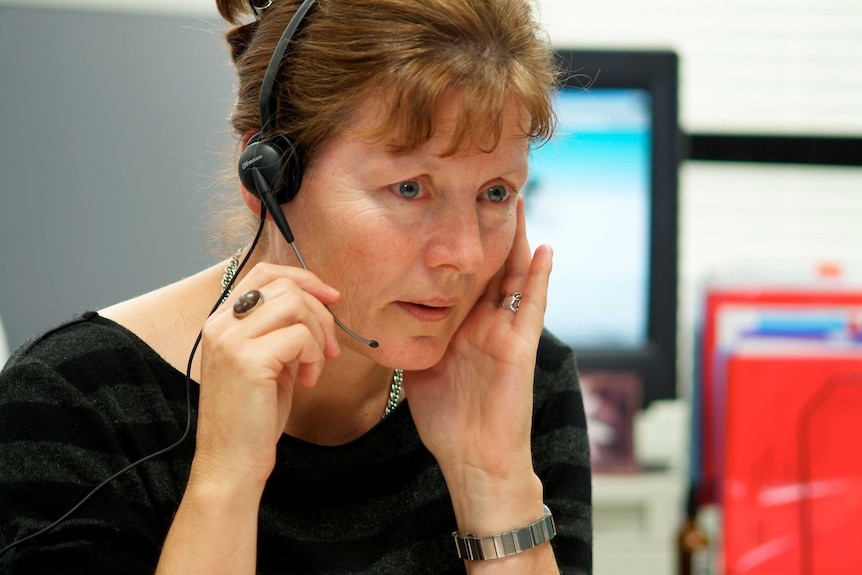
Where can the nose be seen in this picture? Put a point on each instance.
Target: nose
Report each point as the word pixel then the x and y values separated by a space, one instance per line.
pixel 455 238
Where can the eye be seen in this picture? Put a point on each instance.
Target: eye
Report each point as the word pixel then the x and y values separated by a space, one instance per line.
pixel 497 194
pixel 408 190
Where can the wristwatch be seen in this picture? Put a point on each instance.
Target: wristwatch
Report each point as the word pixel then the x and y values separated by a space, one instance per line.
pixel 509 543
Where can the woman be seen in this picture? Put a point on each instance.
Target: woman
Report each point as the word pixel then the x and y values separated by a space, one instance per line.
pixel 312 449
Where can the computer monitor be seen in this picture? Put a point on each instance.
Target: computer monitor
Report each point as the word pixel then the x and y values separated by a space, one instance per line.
pixel 603 193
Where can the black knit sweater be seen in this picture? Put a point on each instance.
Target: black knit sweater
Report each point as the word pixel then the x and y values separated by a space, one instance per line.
pixel 88 397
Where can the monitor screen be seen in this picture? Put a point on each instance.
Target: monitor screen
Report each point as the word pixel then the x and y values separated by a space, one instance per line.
pixel 603 193
pixel 589 196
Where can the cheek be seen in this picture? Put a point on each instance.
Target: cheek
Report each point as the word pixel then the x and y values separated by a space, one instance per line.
pixel 500 240
pixel 363 248
pixel 497 244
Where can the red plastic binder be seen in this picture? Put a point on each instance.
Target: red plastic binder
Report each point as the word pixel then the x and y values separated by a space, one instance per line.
pixel 711 376
pixel 792 490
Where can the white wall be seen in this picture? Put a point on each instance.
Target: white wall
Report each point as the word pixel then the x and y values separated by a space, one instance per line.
pixel 783 66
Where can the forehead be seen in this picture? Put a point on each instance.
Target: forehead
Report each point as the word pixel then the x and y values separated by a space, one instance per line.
pixel 451 126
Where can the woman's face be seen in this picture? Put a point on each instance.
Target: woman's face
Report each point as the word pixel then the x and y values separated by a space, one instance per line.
pixel 410 240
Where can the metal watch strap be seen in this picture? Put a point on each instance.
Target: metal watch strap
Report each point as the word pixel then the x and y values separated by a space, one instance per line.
pixel 509 543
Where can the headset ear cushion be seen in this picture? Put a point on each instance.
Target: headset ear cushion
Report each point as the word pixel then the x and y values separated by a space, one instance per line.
pixel 278 160
pixel 292 167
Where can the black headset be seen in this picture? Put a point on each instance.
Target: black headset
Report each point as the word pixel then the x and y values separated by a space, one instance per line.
pixel 269 155
pixel 272 162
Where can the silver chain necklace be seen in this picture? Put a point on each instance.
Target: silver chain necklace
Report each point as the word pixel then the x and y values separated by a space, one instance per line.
pixel 395 389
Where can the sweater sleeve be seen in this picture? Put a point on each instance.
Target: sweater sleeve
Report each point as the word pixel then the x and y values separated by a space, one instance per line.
pixel 70 418
pixel 561 455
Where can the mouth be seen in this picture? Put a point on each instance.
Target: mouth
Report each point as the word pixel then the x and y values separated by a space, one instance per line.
pixel 427 312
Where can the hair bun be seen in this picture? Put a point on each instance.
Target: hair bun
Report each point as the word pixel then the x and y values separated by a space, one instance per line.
pixel 239 38
pixel 233 10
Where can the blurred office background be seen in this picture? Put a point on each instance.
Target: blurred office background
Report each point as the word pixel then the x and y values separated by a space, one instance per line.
pixel 114 136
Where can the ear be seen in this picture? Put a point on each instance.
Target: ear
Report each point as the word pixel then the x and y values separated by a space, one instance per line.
pixel 251 200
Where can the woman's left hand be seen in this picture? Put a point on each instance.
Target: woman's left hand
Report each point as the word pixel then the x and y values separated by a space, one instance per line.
pixel 473 410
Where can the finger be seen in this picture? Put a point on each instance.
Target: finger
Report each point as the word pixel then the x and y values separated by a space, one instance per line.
pixel 512 275
pixel 323 322
pixel 285 350
pixel 265 273
pixel 280 306
pixel 309 373
pixel 285 303
pixel 534 298
pixel 293 305
pixel 518 262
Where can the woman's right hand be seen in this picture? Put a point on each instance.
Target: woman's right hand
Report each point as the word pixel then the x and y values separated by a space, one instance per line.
pixel 249 367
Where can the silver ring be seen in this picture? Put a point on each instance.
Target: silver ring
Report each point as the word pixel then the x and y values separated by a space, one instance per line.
pixel 246 302
pixel 511 302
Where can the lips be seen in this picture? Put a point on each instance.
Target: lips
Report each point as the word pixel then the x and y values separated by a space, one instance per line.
pixel 427 311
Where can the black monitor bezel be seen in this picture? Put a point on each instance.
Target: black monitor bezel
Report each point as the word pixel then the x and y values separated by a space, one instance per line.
pixel 657 72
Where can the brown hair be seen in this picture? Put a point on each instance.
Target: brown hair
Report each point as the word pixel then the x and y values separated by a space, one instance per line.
pixel 414 51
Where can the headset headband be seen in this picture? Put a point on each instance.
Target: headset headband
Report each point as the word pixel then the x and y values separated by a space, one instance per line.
pixel 268 99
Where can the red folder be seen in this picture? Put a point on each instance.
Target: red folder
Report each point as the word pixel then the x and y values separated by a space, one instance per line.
pixel 792 495
pixel 710 399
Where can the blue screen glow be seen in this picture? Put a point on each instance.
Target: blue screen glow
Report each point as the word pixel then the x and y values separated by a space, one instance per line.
pixel 588 196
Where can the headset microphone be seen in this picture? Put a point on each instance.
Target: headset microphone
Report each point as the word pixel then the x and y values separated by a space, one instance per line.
pixel 271 160
pixel 274 208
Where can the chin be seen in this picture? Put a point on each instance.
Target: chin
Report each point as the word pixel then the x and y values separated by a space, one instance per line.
pixel 409 353
pixel 416 354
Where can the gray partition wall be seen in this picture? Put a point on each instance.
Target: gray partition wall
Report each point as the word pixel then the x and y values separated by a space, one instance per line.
pixel 113 132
